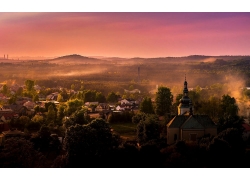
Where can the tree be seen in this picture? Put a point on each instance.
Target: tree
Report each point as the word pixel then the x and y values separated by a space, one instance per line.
pixel 22 122
pixel 12 99
pixel 124 117
pixel 19 91
pixel 60 115
pixel 211 107
pixel 78 117
pixel 100 97
pixel 112 97
pixel 35 97
pixel 73 105
pixel 64 95
pixel 146 106
pixel 72 87
pixel 5 89
pixel 228 106
pixel 163 100
pixel 51 115
pixel 138 117
pixel 38 118
pixel 148 129
pixel 48 104
pixel 79 95
pixel 44 132
pixel 60 98
pixel 131 87
pixel 87 145
pixel 43 140
pixel 230 122
pixel 90 96
pixel 29 85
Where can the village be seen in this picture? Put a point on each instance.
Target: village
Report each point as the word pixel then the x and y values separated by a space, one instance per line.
pixel 134 122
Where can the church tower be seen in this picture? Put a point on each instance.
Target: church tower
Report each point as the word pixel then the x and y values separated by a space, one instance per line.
pixel 185 105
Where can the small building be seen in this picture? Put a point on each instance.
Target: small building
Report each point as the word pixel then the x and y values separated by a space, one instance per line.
pixel 101 107
pixel 7 113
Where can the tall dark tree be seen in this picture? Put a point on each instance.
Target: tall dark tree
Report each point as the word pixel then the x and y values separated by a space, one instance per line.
pixel 229 106
pixel 163 100
pixel 146 106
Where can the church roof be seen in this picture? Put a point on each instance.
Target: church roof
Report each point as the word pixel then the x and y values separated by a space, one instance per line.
pixel 177 121
pixel 191 122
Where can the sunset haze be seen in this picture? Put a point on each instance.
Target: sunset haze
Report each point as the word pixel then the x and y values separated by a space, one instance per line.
pixel 124 34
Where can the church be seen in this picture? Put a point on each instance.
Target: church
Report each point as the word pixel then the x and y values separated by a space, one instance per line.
pixel 188 126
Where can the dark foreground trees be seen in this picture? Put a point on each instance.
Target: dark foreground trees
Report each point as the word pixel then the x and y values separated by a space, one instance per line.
pixel 88 145
pixel 20 153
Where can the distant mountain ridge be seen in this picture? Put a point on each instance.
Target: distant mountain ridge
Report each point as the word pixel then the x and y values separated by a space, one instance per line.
pixel 79 59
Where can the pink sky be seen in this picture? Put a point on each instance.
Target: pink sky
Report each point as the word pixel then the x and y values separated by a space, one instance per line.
pixel 124 34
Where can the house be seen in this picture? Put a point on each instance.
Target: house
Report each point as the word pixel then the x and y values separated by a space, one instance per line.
pixel 187 126
pixel 102 106
pixel 14 87
pixel 90 103
pixel 22 100
pixel 6 112
pixel 91 106
pixel 29 105
pixel 37 88
pixel 52 96
pixel 3 98
pixel 41 97
pixel 120 108
pixel 18 109
pixel 128 101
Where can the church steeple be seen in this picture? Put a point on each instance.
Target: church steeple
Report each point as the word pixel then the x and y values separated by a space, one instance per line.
pixel 185 90
pixel 185 102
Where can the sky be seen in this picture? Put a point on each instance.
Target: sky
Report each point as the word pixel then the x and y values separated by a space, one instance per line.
pixel 124 34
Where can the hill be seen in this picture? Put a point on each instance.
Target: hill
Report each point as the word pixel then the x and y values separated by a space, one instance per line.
pixel 75 59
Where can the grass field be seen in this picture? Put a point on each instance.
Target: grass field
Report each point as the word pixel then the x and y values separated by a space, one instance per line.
pixel 125 130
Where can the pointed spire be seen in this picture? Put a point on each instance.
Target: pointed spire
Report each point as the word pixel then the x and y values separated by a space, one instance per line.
pixel 185 90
